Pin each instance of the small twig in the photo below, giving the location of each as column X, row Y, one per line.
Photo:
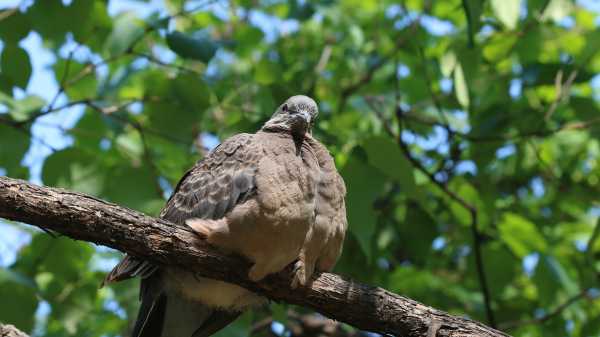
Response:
column 444, row 188
column 501, row 138
column 589, row 248
column 557, row 311
column 5, row 14
column 324, row 59
column 20, row 127
column 562, row 91
column 366, row 77
column 157, row 61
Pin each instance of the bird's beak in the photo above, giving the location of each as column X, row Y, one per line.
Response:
column 300, row 124
column 304, row 115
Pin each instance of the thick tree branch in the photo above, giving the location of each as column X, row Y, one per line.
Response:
column 87, row 218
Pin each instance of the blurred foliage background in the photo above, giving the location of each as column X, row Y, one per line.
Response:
column 466, row 132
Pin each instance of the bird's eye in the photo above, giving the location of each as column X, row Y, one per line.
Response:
column 285, row 108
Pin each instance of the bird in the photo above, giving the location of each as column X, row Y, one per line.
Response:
column 274, row 197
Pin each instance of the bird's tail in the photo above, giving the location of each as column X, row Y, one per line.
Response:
column 167, row 314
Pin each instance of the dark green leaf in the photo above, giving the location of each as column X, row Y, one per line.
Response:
column 74, row 169
column 23, row 303
column 384, row 154
column 364, row 184
column 14, row 27
column 198, row 47
column 15, row 65
column 15, row 143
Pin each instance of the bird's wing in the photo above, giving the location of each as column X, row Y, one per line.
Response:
column 213, row 187
column 216, row 184
column 223, row 179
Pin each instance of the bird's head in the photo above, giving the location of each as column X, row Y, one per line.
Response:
column 296, row 115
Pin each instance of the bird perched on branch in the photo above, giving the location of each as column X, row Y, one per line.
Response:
column 274, row 196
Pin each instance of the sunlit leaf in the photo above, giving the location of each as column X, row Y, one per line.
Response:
column 460, row 86
column 507, row 11
column 521, row 235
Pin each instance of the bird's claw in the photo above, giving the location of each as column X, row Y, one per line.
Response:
column 299, row 272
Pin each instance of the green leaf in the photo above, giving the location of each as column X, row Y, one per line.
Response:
column 426, row 286
column 507, row 11
column 127, row 30
column 500, row 266
column 14, row 145
column 125, row 179
column 499, row 46
column 14, row 27
column 384, row 154
column 448, row 63
column 267, row 72
column 192, row 92
column 91, row 24
column 15, row 65
column 551, row 279
column 521, row 235
column 416, row 233
column 199, row 47
column 69, row 259
column 557, row 9
column 364, row 184
column 460, row 86
column 9, row 275
column 246, row 38
column 79, row 79
column 20, row 303
column 49, row 18
column 182, row 104
column 26, row 107
column 74, row 169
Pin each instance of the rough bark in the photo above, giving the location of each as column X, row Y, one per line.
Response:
column 84, row 217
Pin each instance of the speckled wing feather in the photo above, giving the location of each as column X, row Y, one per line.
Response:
column 223, row 179
column 216, row 184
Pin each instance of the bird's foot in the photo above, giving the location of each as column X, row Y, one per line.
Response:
column 299, row 272
column 206, row 228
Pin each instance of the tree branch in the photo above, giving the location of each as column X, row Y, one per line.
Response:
column 84, row 217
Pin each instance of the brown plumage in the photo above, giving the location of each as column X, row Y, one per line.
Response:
column 274, row 197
